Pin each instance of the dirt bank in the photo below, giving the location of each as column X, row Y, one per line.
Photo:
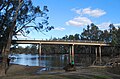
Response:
column 22, row 70
column 28, row 72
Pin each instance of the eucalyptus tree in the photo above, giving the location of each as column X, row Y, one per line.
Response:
column 113, row 34
column 118, row 40
column 95, row 32
column 65, row 37
column 77, row 36
column 33, row 49
column 71, row 37
column 91, row 33
column 118, row 36
column 105, row 36
column 84, row 35
column 18, row 16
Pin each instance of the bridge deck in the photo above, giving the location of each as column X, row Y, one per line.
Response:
column 65, row 42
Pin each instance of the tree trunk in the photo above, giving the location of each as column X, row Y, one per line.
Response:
column 6, row 48
column 5, row 52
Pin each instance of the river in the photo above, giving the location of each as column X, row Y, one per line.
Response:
column 54, row 61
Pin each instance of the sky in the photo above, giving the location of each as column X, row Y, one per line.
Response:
column 70, row 16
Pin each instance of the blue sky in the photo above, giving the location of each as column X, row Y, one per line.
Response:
column 70, row 16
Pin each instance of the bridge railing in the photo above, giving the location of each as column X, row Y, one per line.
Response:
column 28, row 39
column 87, row 41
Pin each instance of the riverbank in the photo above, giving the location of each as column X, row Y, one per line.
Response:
column 30, row 72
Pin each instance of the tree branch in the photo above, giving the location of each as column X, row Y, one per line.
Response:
column 25, row 25
column 5, row 15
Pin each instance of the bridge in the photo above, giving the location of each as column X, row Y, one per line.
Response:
column 65, row 42
column 71, row 43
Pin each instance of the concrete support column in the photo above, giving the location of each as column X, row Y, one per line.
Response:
column 90, row 50
column 96, row 52
column 98, row 60
column 39, row 52
column 71, row 54
column 100, row 54
column 71, row 66
column 39, row 49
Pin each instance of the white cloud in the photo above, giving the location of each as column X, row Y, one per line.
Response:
column 59, row 28
column 104, row 25
column 79, row 21
column 20, row 36
column 78, row 11
column 116, row 25
column 90, row 12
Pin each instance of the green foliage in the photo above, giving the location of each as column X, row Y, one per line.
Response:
column 16, row 17
column 71, row 37
column 118, row 36
column 91, row 33
column 94, row 34
column 32, row 49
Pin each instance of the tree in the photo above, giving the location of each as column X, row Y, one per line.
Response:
column 113, row 33
column 105, row 36
column 118, row 36
column 91, row 33
column 84, row 35
column 17, row 16
column 77, row 37
column 94, row 32
column 71, row 37
column 65, row 37
column 26, row 50
column 33, row 49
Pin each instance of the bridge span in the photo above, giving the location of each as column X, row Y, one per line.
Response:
column 71, row 43
column 65, row 42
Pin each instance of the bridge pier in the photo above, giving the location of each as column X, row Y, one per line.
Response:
column 71, row 65
column 39, row 49
column 98, row 60
column 71, row 54
column 100, row 55
column 96, row 53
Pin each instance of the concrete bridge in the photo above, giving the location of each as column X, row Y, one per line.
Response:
column 64, row 42
column 71, row 43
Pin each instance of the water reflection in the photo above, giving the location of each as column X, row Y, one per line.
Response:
column 35, row 60
column 50, row 62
